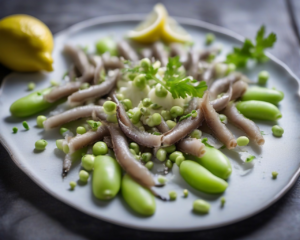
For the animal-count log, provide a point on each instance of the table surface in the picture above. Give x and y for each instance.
(28, 212)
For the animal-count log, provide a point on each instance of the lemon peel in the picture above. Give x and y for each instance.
(173, 32)
(26, 44)
(150, 29)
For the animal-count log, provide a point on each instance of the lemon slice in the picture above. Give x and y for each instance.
(25, 44)
(173, 32)
(150, 30)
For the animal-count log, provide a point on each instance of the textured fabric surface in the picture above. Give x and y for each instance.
(28, 212)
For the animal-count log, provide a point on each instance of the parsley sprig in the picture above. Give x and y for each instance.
(174, 80)
(249, 50)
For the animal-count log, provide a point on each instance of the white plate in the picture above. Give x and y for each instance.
(245, 196)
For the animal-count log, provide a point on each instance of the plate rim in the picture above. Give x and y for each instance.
(182, 20)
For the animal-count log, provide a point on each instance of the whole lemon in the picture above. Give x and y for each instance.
(25, 44)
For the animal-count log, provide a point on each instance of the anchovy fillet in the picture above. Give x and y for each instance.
(213, 121)
(71, 115)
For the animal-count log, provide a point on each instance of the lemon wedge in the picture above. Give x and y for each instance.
(150, 29)
(173, 32)
(25, 44)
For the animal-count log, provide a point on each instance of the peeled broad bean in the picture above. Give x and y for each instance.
(200, 178)
(106, 177)
(140, 199)
(215, 162)
(30, 104)
(263, 94)
(107, 44)
(259, 110)
(201, 206)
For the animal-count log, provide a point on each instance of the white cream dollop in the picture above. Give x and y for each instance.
(134, 94)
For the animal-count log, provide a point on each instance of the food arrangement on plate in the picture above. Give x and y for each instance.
(151, 101)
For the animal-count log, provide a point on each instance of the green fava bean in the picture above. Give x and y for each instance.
(263, 94)
(174, 155)
(259, 110)
(107, 177)
(140, 199)
(100, 148)
(41, 144)
(30, 104)
(107, 44)
(201, 206)
(87, 162)
(215, 162)
(200, 178)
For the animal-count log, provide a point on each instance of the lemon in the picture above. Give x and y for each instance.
(150, 30)
(25, 44)
(173, 32)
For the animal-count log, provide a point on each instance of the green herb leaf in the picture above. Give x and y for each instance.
(174, 79)
(240, 56)
(263, 43)
(179, 85)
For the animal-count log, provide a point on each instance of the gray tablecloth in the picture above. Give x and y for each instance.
(28, 212)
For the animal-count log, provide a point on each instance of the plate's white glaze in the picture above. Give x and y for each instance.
(246, 195)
